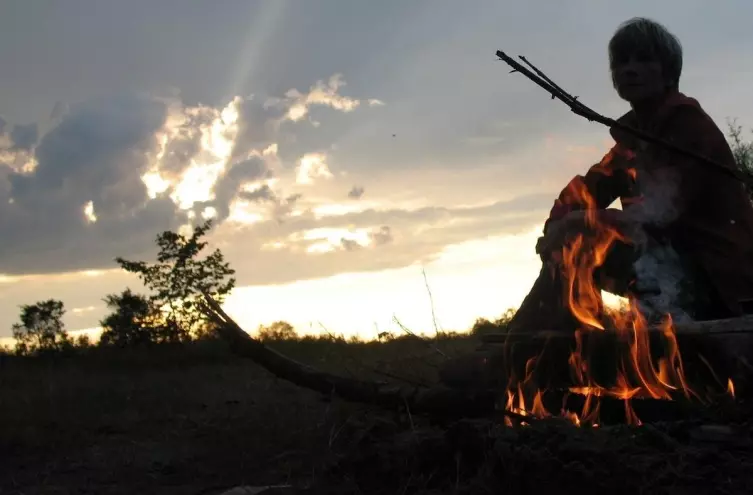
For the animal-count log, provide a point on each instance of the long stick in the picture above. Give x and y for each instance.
(437, 401)
(579, 108)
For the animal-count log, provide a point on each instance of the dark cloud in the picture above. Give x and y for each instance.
(258, 126)
(185, 145)
(356, 192)
(284, 207)
(98, 152)
(262, 193)
(24, 137)
(58, 110)
(382, 236)
(229, 185)
(349, 244)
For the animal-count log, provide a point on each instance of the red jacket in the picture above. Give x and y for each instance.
(706, 214)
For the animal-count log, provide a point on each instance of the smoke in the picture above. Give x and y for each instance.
(663, 284)
(661, 275)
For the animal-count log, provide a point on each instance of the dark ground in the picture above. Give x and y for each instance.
(200, 421)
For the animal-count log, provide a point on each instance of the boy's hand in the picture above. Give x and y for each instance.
(574, 223)
(559, 231)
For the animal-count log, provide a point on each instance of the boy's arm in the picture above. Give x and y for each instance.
(602, 184)
(691, 129)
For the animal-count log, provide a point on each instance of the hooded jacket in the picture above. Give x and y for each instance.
(703, 213)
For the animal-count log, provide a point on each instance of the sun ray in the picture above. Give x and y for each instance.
(266, 18)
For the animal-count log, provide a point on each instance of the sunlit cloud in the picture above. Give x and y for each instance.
(329, 239)
(339, 209)
(273, 246)
(321, 93)
(217, 141)
(246, 212)
(205, 139)
(95, 273)
(312, 166)
(86, 309)
(89, 214)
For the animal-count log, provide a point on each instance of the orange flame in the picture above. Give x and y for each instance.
(638, 372)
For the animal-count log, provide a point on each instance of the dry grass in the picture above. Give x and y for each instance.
(198, 420)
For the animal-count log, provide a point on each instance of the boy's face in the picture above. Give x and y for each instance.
(639, 78)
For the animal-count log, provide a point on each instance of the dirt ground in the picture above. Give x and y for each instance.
(202, 421)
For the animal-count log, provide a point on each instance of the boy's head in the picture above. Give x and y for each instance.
(645, 60)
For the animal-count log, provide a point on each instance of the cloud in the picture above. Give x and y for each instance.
(24, 137)
(312, 166)
(356, 192)
(349, 244)
(58, 110)
(115, 171)
(230, 184)
(298, 104)
(305, 246)
(382, 236)
(86, 309)
(94, 156)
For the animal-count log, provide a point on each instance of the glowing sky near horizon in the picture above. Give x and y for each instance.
(342, 147)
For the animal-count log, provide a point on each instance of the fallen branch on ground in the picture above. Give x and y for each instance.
(437, 401)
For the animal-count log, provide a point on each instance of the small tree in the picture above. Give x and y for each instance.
(482, 326)
(279, 330)
(742, 150)
(132, 321)
(82, 342)
(177, 280)
(41, 328)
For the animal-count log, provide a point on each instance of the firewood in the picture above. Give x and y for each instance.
(712, 328)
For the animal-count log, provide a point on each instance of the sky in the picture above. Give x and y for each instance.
(343, 148)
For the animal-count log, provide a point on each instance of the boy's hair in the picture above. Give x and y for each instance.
(644, 35)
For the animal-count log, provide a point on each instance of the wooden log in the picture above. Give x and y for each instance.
(440, 402)
(712, 352)
(712, 328)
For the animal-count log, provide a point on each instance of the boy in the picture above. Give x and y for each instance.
(689, 225)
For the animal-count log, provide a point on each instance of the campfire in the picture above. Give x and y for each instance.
(646, 361)
(631, 361)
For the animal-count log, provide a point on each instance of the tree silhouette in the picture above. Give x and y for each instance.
(482, 326)
(41, 328)
(132, 321)
(279, 330)
(177, 280)
(742, 150)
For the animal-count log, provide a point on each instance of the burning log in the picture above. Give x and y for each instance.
(711, 328)
(712, 351)
(545, 357)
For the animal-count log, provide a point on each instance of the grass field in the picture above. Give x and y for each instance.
(198, 420)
